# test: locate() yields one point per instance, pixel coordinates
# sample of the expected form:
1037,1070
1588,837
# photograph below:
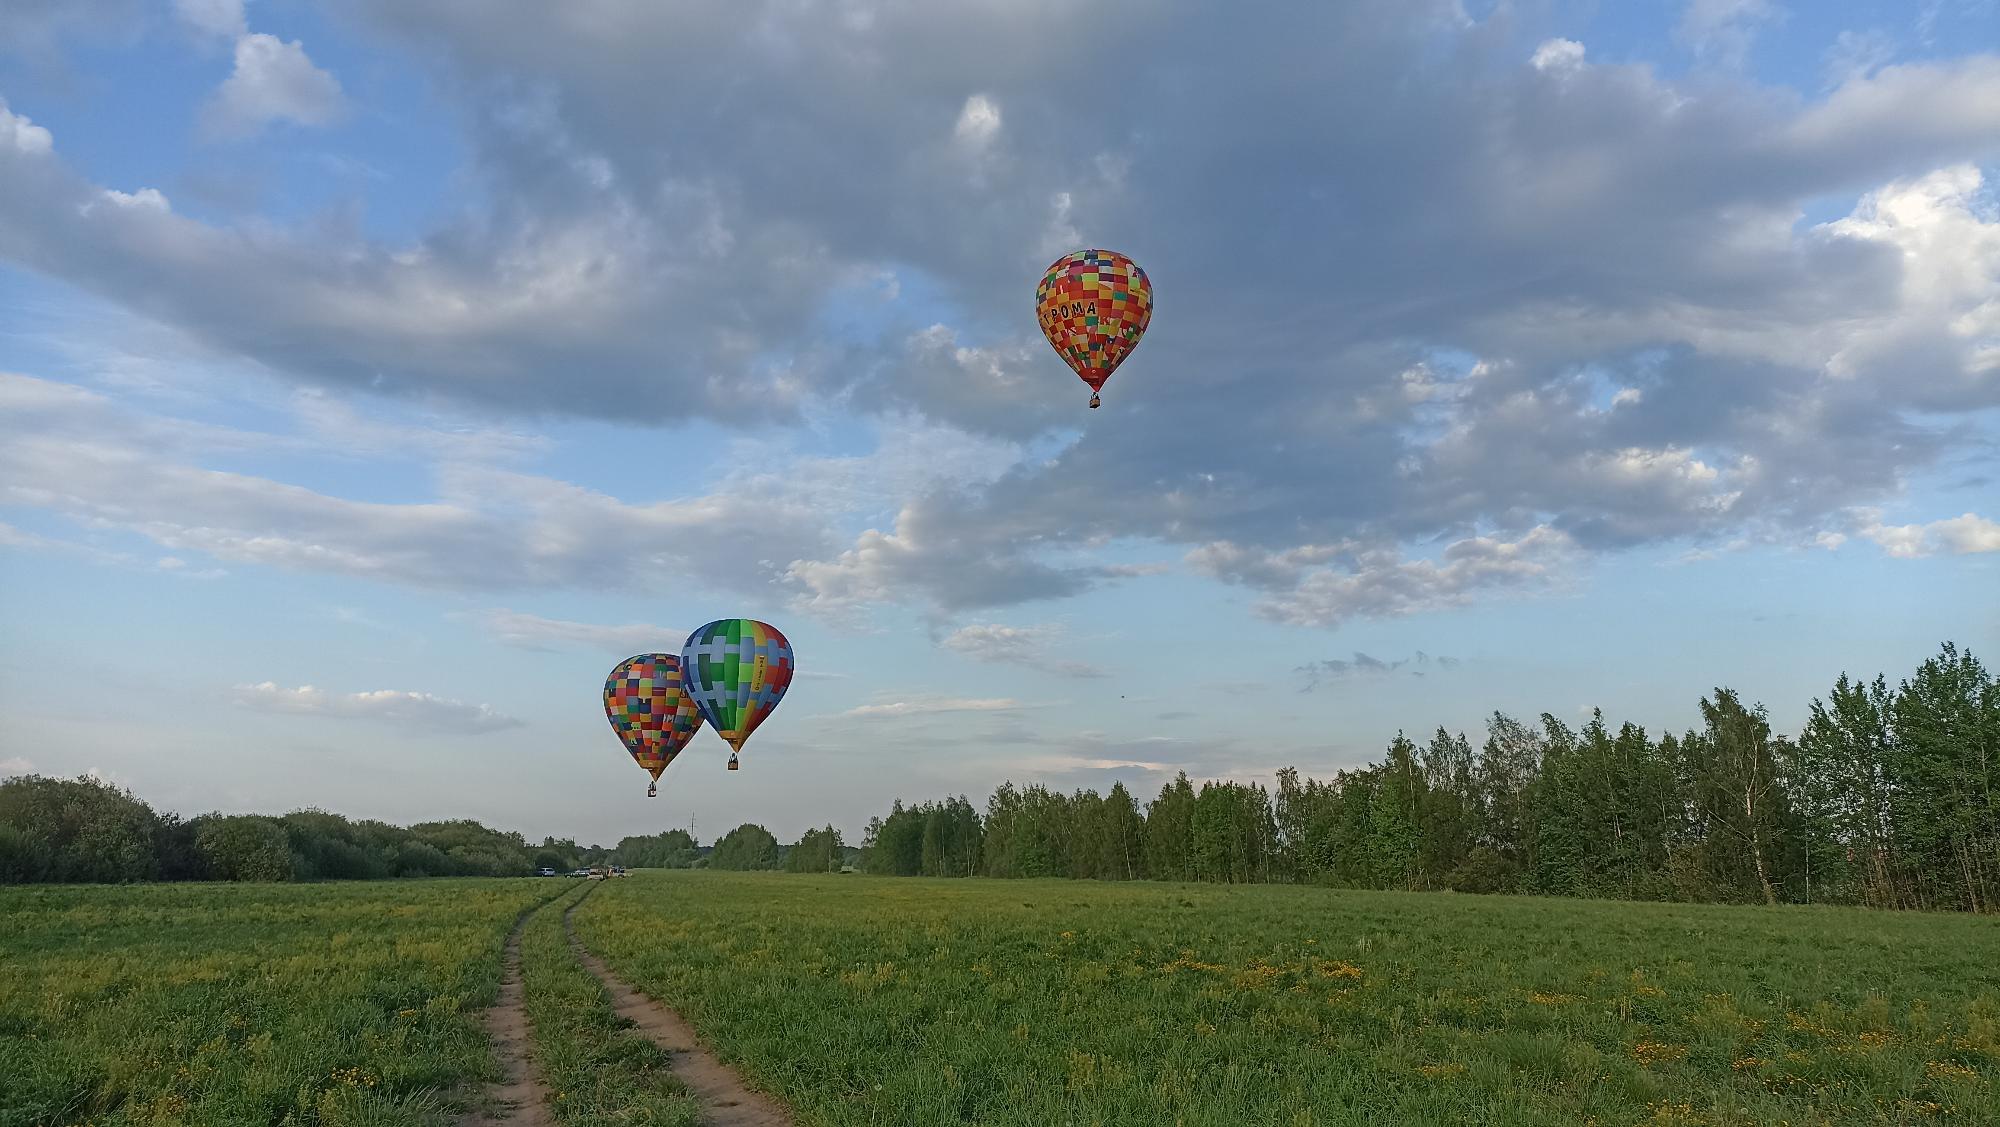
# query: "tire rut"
726,1100
519,1100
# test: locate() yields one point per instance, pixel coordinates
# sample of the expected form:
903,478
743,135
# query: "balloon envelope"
650,709
1094,306
737,670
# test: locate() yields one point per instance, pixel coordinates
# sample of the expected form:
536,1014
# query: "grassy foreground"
599,1072
335,1004
905,1001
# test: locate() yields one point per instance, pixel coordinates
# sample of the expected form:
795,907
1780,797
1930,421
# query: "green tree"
1170,831
1944,767
1121,836
245,847
818,851
747,847
75,830
1738,797
1395,819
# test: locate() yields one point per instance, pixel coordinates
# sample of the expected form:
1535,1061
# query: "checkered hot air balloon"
651,711
1094,306
737,670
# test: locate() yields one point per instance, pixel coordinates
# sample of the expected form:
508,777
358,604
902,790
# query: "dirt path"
726,1100
519,1100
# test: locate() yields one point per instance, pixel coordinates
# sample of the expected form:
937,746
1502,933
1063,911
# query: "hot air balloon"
1094,306
737,670
651,711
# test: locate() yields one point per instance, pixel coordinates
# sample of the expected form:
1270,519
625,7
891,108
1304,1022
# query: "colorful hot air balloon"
651,711
737,670
1094,306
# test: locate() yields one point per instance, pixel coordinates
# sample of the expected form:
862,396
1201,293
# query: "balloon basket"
1095,402
652,790
732,763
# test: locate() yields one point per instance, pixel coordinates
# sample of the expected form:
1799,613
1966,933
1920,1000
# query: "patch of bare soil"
726,1100
519,1100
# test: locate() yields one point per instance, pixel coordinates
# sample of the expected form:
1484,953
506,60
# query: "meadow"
599,1073
912,1001
337,1004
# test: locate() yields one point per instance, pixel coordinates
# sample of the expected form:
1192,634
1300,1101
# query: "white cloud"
223,19
1027,646
1966,534
1377,584
1557,55
534,632
15,765
396,707
928,706
80,455
273,81
978,122
22,135
151,199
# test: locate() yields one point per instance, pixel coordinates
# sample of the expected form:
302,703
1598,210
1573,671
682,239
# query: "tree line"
1888,797
87,830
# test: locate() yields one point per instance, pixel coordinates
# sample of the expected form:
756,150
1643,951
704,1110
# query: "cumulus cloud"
1583,300
394,707
534,632
978,122
1966,534
1377,584
16,765
490,529
1557,55
21,135
1033,647
930,554
273,81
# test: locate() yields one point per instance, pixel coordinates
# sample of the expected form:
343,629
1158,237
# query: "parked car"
545,871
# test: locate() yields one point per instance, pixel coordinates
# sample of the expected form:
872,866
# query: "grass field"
334,1004
904,1001
598,1074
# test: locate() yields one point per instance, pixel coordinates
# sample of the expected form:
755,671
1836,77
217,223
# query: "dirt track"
520,1100
726,1100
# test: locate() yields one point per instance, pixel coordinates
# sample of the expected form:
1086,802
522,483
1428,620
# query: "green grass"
598,1071
903,1001
336,1004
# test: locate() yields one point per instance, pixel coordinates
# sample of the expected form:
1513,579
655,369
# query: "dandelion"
1554,999
1655,1052
1949,1070
1433,1071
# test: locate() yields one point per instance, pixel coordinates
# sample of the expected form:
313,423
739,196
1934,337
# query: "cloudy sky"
375,375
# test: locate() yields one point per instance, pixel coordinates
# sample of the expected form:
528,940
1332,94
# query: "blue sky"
376,376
